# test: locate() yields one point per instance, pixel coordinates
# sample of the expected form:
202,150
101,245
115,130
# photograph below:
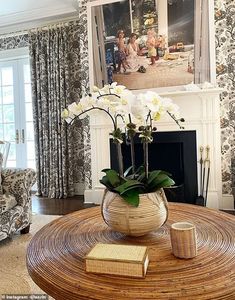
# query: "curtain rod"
42,26
12,34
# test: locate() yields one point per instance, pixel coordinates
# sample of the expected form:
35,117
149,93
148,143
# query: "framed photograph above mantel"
149,44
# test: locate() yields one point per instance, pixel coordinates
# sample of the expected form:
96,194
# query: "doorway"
16,116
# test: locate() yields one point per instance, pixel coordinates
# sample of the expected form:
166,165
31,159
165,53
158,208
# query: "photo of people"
136,47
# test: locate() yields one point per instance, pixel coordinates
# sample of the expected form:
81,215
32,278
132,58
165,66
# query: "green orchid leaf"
140,170
153,175
130,184
157,179
166,173
128,171
132,197
129,188
163,181
106,183
141,177
166,183
129,177
112,176
138,187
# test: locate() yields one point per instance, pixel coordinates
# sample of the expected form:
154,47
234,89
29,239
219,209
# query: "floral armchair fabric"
17,182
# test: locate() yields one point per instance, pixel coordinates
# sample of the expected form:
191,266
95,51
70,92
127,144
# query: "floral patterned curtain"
62,151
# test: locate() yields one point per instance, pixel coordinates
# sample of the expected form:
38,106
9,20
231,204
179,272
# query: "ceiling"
18,15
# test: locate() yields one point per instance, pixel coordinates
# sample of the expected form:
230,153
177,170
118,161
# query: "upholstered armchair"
15,203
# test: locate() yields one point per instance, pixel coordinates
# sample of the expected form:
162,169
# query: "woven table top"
55,258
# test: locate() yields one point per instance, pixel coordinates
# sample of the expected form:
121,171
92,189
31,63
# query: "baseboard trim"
227,202
94,196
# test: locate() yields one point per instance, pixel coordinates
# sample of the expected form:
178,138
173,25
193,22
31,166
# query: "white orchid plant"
130,115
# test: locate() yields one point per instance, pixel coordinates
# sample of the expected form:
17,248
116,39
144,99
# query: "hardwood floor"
231,212
46,206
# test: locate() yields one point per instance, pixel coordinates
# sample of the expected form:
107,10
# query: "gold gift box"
122,260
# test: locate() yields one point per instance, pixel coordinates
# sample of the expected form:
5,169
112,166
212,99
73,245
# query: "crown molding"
35,17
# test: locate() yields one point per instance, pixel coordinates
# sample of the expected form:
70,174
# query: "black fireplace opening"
174,152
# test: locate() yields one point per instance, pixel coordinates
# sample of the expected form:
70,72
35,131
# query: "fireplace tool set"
204,176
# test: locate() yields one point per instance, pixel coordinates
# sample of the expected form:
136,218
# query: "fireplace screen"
174,152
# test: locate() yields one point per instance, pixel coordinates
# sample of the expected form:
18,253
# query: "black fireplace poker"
204,177
208,172
200,199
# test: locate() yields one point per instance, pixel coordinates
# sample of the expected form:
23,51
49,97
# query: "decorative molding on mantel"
199,92
201,110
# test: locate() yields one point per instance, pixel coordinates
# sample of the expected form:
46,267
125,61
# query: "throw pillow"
7,202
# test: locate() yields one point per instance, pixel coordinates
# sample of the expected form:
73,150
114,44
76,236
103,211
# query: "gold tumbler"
183,240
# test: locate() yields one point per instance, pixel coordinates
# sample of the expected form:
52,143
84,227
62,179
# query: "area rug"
14,277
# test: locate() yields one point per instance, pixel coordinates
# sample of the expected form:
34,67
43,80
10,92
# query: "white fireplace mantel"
201,110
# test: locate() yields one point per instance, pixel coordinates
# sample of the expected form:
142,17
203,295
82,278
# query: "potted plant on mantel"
134,202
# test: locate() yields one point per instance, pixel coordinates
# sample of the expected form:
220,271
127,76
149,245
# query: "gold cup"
183,240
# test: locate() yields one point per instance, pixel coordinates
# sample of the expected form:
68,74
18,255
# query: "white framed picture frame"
170,72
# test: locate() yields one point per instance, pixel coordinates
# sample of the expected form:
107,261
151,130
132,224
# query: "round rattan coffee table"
55,259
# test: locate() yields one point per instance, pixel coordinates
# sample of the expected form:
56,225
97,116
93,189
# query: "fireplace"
201,110
174,152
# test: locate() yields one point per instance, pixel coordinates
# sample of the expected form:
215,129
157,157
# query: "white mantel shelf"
201,110
214,91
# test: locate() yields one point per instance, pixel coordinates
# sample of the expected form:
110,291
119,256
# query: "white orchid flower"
122,110
170,106
128,96
153,107
65,114
113,85
156,116
125,102
118,89
93,113
174,110
152,100
112,110
95,89
95,96
167,101
88,102
68,116
75,108
103,102
113,98
139,111
105,89
140,98
117,100
137,121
